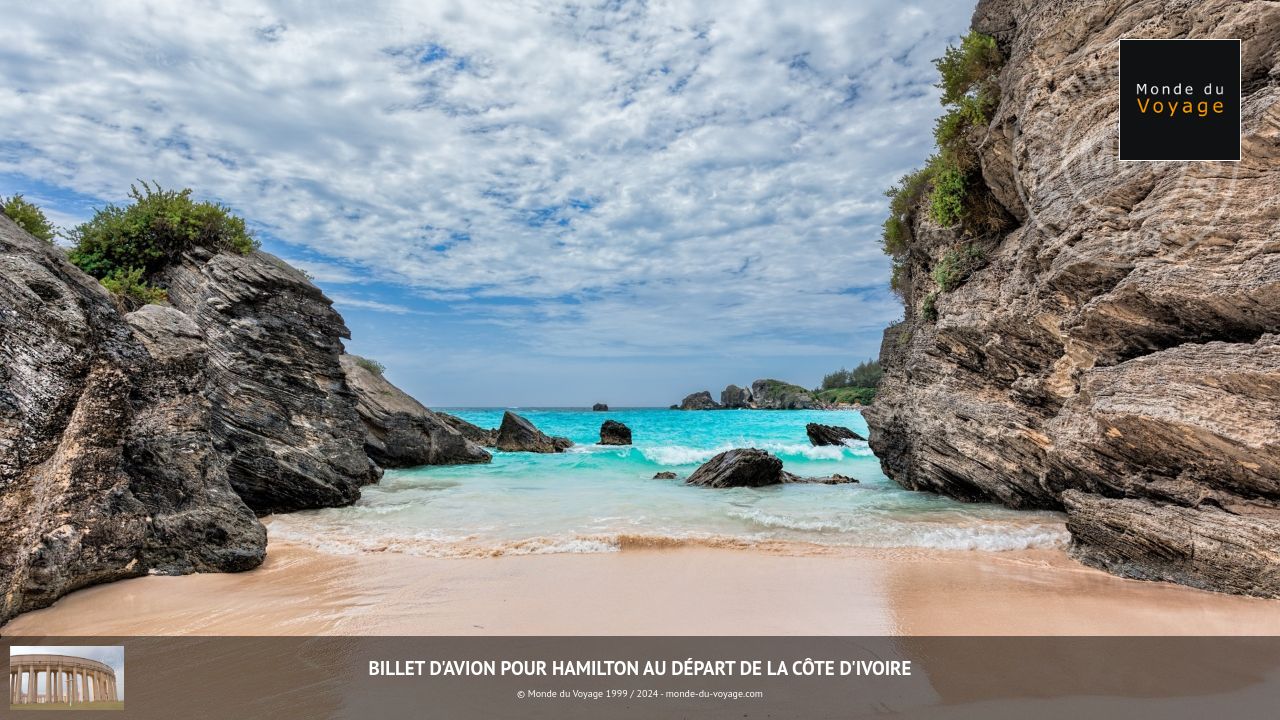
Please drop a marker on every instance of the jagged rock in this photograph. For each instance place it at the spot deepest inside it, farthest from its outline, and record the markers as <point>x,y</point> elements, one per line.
<point>833,479</point>
<point>830,434</point>
<point>613,432</point>
<point>1205,547</point>
<point>665,475</point>
<point>107,467</point>
<point>600,407</point>
<point>282,414</point>
<point>474,433</point>
<point>743,467</point>
<point>735,397</point>
<point>697,401</point>
<point>777,395</point>
<point>519,435</point>
<point>1115,355</point>
<point>400,431</point>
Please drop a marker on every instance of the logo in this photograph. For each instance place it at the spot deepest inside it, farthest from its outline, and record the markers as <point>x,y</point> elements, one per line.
<point>1179,99</point>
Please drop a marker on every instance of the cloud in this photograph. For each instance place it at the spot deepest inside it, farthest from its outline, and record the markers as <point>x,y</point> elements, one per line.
<point>362,304</point>
<point>610,177</point>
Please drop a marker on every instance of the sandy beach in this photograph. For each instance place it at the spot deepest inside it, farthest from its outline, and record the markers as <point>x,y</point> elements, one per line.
<point>648,591</point>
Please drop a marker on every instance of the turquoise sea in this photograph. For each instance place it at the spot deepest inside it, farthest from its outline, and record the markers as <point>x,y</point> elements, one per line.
<point>596,498</point>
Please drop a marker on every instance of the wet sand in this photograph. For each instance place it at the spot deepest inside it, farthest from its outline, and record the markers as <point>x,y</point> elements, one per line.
<point>674,591</point>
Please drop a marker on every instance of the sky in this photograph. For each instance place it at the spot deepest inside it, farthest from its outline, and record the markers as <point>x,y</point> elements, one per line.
<point>514,204</point>
<point>112,655</point>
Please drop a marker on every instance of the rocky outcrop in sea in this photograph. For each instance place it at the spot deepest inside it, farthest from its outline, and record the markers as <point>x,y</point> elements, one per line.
<point>698,401</point>
<point>820,434</point>
<point>613,432</point>
<point>517,434</point>
<point>1115,354</point>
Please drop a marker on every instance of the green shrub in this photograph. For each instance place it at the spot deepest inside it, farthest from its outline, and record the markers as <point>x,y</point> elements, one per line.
<point>131,244</point>
<point>154,231</point>
<point>28,216</point>
<point>929,307</point>
<point>968,69</point>
<point>946,202</point>
<point>956,265</point>
<point>866,374</point>
<point>372,366</point>
<point>848,395</point>
<point>968,76</point>
<point>130,287</point>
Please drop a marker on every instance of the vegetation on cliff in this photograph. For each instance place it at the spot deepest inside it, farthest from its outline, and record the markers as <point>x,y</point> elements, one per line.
<point>946,184</point>
<point>28,215</point>
<point>125,247</point>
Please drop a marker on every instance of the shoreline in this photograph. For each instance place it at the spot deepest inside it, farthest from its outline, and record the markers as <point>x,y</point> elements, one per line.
<point>653,591</point>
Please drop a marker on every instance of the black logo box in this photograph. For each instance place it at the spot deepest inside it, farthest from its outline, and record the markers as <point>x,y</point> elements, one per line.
<point>1190,63</point>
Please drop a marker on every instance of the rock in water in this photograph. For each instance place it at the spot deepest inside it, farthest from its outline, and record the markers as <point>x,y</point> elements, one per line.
<point>744,467</point>
<point>282,414</point>
<point>777,395</point>
<point>107,467</point>
<point>600,407</point>
<point>833,479</point>
<point>519,435</point>
<point>399,431</point>
<point>474,433</point>
<point>665,475</point>
<point>1114,354</point>
<point>830,434</point>
<point>613,432</point>
<point>698,401</point>
<point>735,397</point>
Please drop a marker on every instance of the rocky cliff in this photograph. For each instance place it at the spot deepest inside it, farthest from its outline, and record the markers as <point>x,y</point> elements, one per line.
<point>282,413</point>
<point>1116,353</point>
<point>107,466</point>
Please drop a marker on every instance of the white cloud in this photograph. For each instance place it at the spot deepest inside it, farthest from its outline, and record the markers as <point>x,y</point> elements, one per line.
<point>615,176</point>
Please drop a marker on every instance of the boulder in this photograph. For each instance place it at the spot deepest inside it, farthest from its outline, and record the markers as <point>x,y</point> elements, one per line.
<point>770,394</point>
<point>474,433</point>
<point>832,479</point>
<point>830,434</point>
<point>698,401</point>
<point>282,415</point>
<point>665,475</point>
<point>735,397</point>
<point>108,469</point>
<point>613,432</point>
<point>743,467</point>
<point>600,407</point>
<point>519,435</point>
<point>399,431</point>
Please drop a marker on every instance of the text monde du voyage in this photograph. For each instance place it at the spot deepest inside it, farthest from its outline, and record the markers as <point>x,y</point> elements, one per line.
<point>1181,99</point>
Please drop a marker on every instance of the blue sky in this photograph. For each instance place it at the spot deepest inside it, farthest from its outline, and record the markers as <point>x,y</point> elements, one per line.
<point>535,203</point>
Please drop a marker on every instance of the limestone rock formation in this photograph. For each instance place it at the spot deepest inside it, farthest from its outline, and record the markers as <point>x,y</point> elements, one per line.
<point>399,431</point>
<point>474,433</point>
<point>282,414</point>
<point>742,467</point>
<point>665,475</point>
<point>833,479</point>
<point>107,467</point>
<point>600,407</point>
<point>519,435</point>
<point>698,401</point>
<point>613,432</point>
<point>830,434</point>
<point>1116,354</point>
<point>770,394</point>
<point>735,397</point>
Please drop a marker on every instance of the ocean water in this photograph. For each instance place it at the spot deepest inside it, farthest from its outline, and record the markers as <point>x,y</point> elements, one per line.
<point>596,498</point>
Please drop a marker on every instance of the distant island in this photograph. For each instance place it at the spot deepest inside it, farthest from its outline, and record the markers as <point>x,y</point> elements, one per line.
<point>840,389</point>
